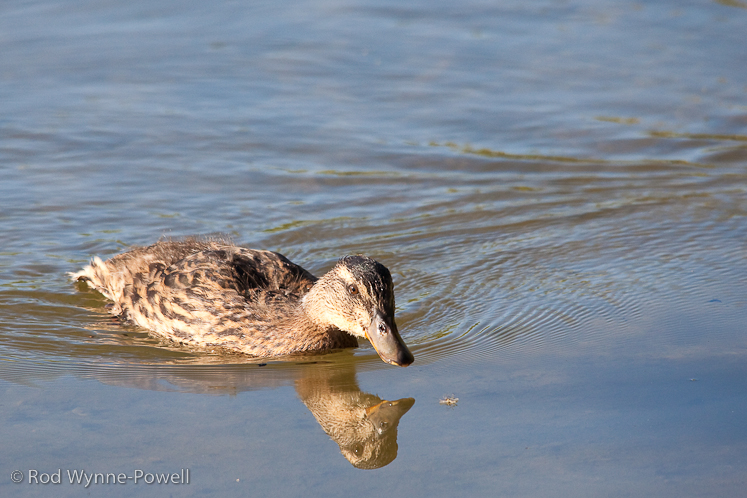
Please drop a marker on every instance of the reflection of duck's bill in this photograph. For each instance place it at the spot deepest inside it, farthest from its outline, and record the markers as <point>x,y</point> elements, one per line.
<point>386,414</point>
<point>386,340</point>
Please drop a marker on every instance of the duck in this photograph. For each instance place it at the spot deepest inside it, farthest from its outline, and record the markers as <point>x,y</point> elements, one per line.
<point>211,293</point>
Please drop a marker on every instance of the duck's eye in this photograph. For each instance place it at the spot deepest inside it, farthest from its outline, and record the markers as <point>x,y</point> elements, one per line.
<point>353,290</point>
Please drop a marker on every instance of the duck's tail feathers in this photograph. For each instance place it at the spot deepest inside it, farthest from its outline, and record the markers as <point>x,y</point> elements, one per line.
<point>100,276</point>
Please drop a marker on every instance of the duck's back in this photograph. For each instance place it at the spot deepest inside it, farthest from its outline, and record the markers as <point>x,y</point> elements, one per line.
<point>203,292</point>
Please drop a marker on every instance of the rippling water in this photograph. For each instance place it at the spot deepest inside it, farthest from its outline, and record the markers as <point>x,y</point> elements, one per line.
<point>559,190</point>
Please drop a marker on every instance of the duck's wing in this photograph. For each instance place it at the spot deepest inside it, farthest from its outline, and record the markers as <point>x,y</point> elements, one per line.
<point>246,270</point>
<point>267,271</point>
<point>217,296</point>
<point>216,277</point>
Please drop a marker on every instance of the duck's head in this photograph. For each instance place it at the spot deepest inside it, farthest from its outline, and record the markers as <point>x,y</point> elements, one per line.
<point>357,296</point>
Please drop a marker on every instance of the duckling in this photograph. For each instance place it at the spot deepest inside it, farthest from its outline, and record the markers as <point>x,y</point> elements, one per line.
<point>213,294</point>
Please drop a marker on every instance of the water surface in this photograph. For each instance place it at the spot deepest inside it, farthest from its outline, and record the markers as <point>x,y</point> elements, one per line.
<point>559,190</point>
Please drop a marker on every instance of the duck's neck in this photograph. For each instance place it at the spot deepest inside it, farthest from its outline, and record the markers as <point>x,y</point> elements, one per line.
<point>316,308</point>
<point>315,311</point>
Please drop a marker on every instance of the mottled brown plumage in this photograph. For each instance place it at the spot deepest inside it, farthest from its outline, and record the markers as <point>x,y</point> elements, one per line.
<point>213,294</point>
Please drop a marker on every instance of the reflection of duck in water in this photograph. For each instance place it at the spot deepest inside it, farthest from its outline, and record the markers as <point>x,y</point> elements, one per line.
<point>362,425</point>
<point>213,294</point>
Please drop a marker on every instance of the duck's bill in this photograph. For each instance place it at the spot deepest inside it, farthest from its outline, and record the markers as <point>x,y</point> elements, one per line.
<point>385,338</point>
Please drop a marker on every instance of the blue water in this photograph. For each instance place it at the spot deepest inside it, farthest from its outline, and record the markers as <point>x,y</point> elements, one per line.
<point>558,188</point>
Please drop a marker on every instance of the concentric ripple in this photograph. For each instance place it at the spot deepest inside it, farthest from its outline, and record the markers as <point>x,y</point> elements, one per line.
<point>498,256</point>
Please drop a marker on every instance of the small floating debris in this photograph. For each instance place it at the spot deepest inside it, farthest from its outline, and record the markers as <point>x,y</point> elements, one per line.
<point>449,400</point>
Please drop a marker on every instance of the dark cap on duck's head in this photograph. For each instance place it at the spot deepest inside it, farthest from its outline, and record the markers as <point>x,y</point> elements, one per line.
<point>374,276</point>
<point>357,296</point>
